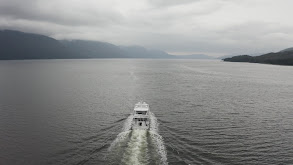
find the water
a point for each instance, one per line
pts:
(205, 112)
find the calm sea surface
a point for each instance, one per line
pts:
(204, 112)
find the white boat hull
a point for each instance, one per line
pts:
(140, 116)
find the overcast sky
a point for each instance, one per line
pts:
(213, 27)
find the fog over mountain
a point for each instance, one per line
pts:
(287, 50)
(18, 45)
(212, 27)
(15, 45)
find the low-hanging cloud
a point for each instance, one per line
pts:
(187, 26)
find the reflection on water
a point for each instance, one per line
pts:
(207, 112)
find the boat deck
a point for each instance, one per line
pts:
(140, 116)
(142, 125)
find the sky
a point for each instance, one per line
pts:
(212, 27)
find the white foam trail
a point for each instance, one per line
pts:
(154, 125)
(132, 74)
(120, 137)
(158, 139)
(124, 134)
(127, 124)
(137, 149)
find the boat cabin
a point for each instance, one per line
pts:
(140, 116)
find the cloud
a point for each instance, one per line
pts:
(164, 3)
(190, 26)
(67, 12)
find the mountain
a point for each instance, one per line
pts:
(15, 45)
(19, 45)
(228, 56)
(287, 50)
(278, 58)
(240, 58)
(93, 49)
(223, 57)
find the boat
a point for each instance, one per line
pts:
(141, 118)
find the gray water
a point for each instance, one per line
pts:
(205, 112)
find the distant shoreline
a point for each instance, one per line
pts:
(278, 58)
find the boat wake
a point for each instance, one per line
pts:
(138, 146)
(157, 139)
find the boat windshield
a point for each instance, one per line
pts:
(141, 112)
(142, 119)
